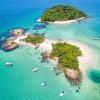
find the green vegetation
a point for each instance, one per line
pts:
(62, 13)
(34, 39)
(68, 54)
(12, 42)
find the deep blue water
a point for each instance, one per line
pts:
(24, 12)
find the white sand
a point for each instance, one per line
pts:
(46, 45)
(38, 20)
(84, 61)
(64, 22)
(69, 21)
(18, 40)
(87, 57)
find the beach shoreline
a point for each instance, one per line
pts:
(46, 46)
(84, 60)
(64, 22)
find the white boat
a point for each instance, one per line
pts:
(62, 93)
(8, 64)
(52, 69)
(43, 84)
(47, 66)
(34, 69)
(95, 38)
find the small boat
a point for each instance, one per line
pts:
(47, 66)
(8, 64)
(95, 38)
(52, 69)
(43, 84)
(34, 69)
(62, 93)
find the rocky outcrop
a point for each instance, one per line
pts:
(73, 74)
(17, 32)
(9, 45)
(70, 73)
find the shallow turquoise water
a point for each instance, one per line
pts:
(18, 82)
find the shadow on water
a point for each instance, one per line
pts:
(94, 75)
(39, 26)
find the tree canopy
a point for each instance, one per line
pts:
(67, 53)
(34, 39)
(62, 13)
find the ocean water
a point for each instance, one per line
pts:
(18, 82)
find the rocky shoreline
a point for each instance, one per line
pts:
(17, 32)
(46, 47)
(10, 45)
(71, 74)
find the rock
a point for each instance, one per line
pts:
(72, 74)
(17, 32)
(9, 45)
(46, 55)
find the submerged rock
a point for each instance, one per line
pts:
(94, 75)
(39, 26)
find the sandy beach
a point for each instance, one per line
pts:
(64, 22)
(20, 42)
(84, 60)
(87, 57)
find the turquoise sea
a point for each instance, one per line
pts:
(18, 82)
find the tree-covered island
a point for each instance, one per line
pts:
(68, 55)
(68, 59)
(34, 39)
(62, 13)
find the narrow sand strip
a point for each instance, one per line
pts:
(64, 22)
(84, 61)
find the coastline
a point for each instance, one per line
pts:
(84, 60)
(46, 46)
(63, 22)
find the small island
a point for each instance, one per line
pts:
(63, 13)
(67, 56)
(34, 39)
(10, 45)
(17, 32)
